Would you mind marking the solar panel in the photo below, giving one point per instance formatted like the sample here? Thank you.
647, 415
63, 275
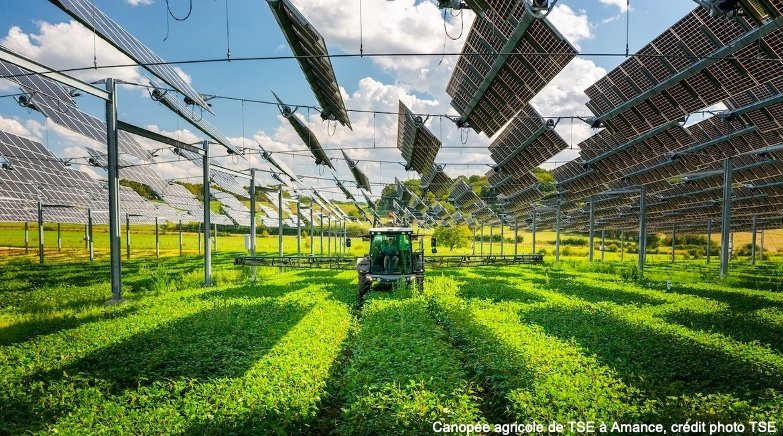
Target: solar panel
86, 125
344, 190
36, 84
223, 180
85, 12
233, 208
368, 200
404, 195
526, 143
464, 198
361, 179
307, 135
310, 48
141, 173
417, 144
436, 181
165, 98
688, 67
279, 165
488, 89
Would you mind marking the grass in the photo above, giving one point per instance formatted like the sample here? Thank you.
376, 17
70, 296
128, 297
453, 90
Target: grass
294, 352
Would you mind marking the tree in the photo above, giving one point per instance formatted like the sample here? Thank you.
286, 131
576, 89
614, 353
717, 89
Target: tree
453, 237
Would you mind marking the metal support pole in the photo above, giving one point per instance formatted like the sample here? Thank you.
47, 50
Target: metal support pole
59, 239
85, 237
709, 240
180, 238
534, 231
329, 234
298, 226
90, 244
280, 223
516, 238
474, 240
642, 228
207, 217
214, 237
482, 240
603, 244
199, 239
761, 257
312, 230
114, 192
558, 222
491, 238
622, 245
592, 230
127, 236
26, 239
157, 239
40, 234
345, 237
502, 237
753, 242
674, 237
322, 234
253, 211
726, 219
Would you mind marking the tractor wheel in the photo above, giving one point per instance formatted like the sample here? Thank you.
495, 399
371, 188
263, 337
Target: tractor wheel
420, 283
364, 286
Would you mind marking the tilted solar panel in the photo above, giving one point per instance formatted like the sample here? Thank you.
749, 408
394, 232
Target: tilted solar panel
488, 89
85, 12
36, 84
418, 145
166, 99
344, 190
361, 179
435, 180
526, 143
141, 173
310, 48
305, 134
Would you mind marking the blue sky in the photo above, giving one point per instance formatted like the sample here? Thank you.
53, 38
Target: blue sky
40, 30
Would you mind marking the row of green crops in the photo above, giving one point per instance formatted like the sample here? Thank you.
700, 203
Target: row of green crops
551, 345
403, 374
246, 358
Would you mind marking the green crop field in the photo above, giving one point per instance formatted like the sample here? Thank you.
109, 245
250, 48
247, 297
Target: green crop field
294, 352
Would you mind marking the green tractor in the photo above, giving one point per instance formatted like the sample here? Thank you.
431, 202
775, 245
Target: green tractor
392, 259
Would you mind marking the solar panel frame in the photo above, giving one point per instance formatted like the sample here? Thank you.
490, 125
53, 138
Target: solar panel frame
313, 57
86, 13
416, 142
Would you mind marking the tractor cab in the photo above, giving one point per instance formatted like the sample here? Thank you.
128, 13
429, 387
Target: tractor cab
392, 258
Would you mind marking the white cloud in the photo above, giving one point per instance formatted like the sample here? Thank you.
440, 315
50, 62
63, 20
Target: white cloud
140, 2
14, 126
71, 45
620, 4
574, 25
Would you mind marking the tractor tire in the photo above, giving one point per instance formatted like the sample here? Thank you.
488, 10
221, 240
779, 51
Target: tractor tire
364, 286
420, 284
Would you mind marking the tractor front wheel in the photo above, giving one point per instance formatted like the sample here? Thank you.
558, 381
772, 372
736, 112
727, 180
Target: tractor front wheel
364, 286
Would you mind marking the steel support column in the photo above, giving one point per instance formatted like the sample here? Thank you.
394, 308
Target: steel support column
280, 223
127, 237
491, 238
482, 240
312, 230
709, 240
726, 218
298, 226
207, 217
592, 231
40, 234
502, 237
533, 249
180, 238
674, 237
253, 211
59, 239
90, 245
516, 237
157, 239
603, 244
753, 242
558, 223
114, 191
642, 246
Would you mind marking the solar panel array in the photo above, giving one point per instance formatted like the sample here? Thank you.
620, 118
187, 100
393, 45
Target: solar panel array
310, 48
223, 180
526, 143
417, 144
436, 181
141, 172
688, 67
85, 12
233, 208
488, 89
